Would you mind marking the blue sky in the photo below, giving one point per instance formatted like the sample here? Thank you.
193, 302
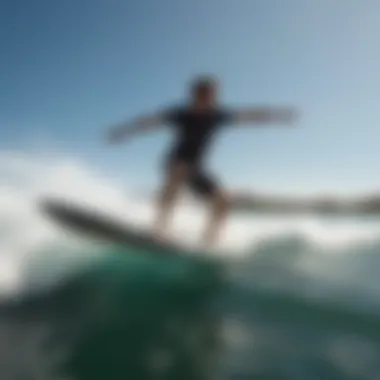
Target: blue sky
70, 68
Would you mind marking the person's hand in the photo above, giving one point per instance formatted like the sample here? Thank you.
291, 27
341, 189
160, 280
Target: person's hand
116, 134
288, 116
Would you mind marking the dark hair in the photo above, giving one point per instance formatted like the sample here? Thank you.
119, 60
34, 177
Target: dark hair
202, 83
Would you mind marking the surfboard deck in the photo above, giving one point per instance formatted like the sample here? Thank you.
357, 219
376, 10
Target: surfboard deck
93, 223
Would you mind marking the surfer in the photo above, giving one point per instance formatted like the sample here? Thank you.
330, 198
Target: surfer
194, 125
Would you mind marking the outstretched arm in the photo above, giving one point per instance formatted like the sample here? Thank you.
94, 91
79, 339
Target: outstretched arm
260, 115
127, 130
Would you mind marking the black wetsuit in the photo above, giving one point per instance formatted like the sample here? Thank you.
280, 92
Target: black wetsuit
194, 132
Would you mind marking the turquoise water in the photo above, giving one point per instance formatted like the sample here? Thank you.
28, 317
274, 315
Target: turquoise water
124, 315
129, 314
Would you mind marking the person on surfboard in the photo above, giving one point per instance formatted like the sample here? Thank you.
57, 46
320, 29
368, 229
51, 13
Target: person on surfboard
194, 125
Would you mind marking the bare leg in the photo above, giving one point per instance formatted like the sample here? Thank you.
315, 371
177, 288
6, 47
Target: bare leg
169, 193
219, 211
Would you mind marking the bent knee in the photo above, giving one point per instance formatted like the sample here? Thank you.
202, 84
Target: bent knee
178, 172
222, 202
176, 176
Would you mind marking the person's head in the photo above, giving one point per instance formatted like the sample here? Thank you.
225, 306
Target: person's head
204, 91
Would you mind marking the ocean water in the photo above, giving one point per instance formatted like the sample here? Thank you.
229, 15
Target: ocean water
281, 298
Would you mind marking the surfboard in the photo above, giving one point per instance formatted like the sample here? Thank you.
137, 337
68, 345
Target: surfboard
93, 223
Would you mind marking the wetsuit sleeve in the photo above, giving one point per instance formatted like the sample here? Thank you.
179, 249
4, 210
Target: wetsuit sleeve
171, 115
226, 116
